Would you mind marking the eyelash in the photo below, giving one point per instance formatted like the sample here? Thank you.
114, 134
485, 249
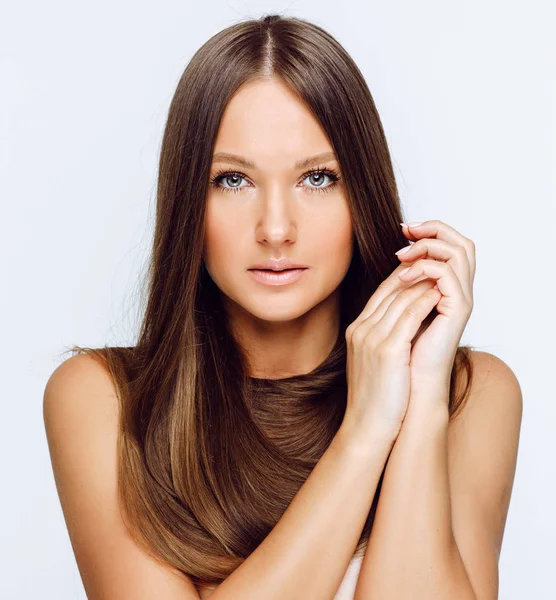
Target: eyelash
215, 181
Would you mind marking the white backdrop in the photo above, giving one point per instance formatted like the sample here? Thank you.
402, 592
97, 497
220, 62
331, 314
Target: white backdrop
466, 93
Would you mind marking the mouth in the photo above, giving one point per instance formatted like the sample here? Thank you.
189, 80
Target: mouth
279, 270
281, 277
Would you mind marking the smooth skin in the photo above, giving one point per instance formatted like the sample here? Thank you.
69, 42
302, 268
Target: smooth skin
287, 330
276, 210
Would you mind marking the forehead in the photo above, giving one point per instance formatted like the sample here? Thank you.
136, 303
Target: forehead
268, 124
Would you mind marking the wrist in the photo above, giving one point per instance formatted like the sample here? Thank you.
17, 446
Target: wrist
362, 440
428, 408
431, 418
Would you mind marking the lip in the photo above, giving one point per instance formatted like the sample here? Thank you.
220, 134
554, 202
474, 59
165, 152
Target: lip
277, 264
279, 278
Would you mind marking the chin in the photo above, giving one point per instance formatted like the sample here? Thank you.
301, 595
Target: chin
279, 313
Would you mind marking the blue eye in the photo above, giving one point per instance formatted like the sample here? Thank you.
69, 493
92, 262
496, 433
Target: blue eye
224, 175
332, 175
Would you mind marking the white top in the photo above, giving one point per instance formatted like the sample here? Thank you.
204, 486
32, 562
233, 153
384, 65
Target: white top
346, 591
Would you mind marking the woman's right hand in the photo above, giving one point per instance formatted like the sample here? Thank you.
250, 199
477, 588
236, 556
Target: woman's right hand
378, 355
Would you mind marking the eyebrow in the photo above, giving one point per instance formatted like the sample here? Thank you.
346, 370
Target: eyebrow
241, 161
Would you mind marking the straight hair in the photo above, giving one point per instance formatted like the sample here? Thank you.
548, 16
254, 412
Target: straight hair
209, 458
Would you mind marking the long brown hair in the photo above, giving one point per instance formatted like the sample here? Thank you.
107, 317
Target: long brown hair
209, 457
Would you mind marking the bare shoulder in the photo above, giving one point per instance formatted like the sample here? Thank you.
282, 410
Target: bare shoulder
81, 418
76, 384
493, 381
491, 366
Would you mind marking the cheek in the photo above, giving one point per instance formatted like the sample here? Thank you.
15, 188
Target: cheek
222, 236
334, 240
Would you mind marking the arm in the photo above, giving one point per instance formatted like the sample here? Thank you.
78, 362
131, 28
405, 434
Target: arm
440, 518
412, 550
80, 412
307, 553
445, 496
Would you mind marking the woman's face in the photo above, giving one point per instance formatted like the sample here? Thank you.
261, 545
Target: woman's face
275, 208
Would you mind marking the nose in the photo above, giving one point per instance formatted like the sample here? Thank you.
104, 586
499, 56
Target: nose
277, 223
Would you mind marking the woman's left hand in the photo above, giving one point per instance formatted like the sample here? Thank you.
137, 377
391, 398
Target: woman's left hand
445, 255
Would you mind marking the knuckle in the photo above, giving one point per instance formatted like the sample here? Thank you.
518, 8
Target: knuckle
411, 311
373, 337
358, 336
372, 344
382, 287
418, 244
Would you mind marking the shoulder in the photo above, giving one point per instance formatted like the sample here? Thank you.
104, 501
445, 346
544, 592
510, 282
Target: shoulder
487, 379
77, 383
80, 409
493, 386
80, 403
493, 407
491, 366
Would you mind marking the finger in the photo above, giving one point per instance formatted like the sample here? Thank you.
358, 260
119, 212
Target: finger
394, 304
388, 287
440, 230
446, 280
407, 325
383, 320
440, 250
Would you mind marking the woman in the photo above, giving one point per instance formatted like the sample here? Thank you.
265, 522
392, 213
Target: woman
241, 447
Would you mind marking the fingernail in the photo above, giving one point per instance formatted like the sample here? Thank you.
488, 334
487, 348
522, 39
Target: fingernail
402, 250
415, 223
403, 272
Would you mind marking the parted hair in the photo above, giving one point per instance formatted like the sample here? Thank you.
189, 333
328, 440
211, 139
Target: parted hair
209, 458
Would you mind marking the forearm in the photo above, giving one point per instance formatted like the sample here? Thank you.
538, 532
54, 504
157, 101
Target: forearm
412, 552
308, 551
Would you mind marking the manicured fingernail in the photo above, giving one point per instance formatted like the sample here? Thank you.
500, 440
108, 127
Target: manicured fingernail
403, 272
402, 250
415, 224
